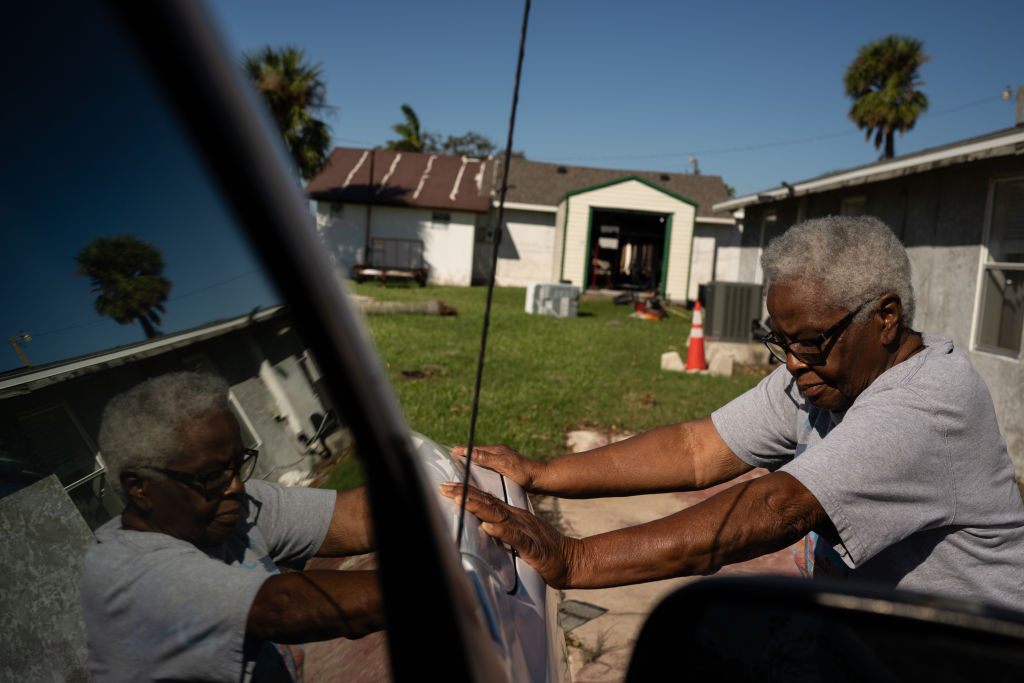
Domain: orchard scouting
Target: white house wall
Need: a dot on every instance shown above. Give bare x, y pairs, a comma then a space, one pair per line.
447, 246
559, 239
343, 232
630, 195
527, 248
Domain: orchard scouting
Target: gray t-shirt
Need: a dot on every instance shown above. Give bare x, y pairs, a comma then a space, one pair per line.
914, 475
159, 608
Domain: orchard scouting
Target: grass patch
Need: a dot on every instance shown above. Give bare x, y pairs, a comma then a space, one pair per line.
542, 376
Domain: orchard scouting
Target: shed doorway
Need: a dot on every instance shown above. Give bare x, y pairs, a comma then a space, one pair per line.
627, 249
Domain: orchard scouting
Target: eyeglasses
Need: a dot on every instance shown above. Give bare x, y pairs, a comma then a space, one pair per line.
213, 485
812, 351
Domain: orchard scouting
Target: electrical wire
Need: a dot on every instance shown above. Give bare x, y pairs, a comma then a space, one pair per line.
176, 298
490, 279
769, 145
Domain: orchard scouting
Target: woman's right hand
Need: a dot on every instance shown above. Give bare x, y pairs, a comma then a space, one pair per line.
507, 461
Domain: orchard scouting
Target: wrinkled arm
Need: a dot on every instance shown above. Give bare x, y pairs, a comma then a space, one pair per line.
686, 456
745, 521
351, 531
300, 607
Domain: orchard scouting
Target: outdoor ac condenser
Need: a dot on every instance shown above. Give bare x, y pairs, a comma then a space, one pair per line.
558, 300
732, 308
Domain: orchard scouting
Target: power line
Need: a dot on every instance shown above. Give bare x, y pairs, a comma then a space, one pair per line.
177, 298
767, 145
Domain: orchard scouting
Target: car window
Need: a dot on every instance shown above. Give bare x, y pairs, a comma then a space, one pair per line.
137, 174
122, 260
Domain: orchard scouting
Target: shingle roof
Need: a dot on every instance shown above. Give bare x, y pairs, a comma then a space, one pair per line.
401, 179
535, 182
1000, 143
462, 183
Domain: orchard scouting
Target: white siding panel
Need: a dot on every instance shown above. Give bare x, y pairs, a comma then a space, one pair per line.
702, 268
727, 264
576, 240
631, 195
556, 260
527, 248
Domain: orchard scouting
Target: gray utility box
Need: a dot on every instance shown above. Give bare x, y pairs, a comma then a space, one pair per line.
558, 300
732, 309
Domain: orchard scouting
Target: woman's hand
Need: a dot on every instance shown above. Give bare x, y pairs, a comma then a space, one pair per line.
554, 556
509, 462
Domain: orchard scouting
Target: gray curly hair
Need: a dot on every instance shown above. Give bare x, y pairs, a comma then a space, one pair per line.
854, 259
141, 426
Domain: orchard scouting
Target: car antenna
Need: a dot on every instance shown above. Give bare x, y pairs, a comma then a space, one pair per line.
490, 279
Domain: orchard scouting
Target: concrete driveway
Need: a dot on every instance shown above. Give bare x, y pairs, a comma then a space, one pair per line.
599, 650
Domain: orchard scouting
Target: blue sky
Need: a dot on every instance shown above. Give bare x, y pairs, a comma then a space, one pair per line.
752, 89
119, 165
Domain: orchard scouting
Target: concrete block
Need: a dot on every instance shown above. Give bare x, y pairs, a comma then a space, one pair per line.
721, 366
671, 360
754, 353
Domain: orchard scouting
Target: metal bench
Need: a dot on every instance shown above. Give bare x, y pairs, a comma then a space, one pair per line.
393, 258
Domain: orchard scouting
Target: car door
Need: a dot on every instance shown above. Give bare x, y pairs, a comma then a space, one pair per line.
128, 119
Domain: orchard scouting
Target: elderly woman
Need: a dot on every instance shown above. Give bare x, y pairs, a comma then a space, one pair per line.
184, 585
882, 443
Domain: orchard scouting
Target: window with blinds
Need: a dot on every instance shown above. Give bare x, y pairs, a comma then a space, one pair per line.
1001, 305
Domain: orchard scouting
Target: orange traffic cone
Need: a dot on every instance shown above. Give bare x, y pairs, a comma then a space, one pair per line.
695, 354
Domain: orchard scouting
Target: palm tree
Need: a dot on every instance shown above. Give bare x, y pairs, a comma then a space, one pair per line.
294, 90
412, 139
125, 271
883, 82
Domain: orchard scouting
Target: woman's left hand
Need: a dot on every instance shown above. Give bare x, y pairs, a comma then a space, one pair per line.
555, 557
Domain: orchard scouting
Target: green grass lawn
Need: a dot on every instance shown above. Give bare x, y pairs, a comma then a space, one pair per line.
543, 376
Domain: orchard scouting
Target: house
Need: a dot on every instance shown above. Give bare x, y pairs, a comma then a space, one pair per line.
592, 227
959, 209
50, 417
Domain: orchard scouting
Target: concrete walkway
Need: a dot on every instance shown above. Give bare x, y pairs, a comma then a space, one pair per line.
599, 650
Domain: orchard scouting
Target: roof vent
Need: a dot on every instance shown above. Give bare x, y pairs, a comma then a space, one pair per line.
563, 170
665, 176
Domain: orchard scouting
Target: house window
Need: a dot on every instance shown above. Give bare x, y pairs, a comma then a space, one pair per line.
1001, 295
853, 206
60, 446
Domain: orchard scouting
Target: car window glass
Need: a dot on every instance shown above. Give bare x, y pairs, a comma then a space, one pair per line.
106, 199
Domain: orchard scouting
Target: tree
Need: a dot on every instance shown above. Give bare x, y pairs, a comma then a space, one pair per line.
883, 82
412, 137
472, 144
294, 91
126, 272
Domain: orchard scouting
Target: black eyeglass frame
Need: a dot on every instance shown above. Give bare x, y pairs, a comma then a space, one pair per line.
822, 344
200, 483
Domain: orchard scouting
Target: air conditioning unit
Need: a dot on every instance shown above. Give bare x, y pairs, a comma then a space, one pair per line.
732, 309
558, 300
